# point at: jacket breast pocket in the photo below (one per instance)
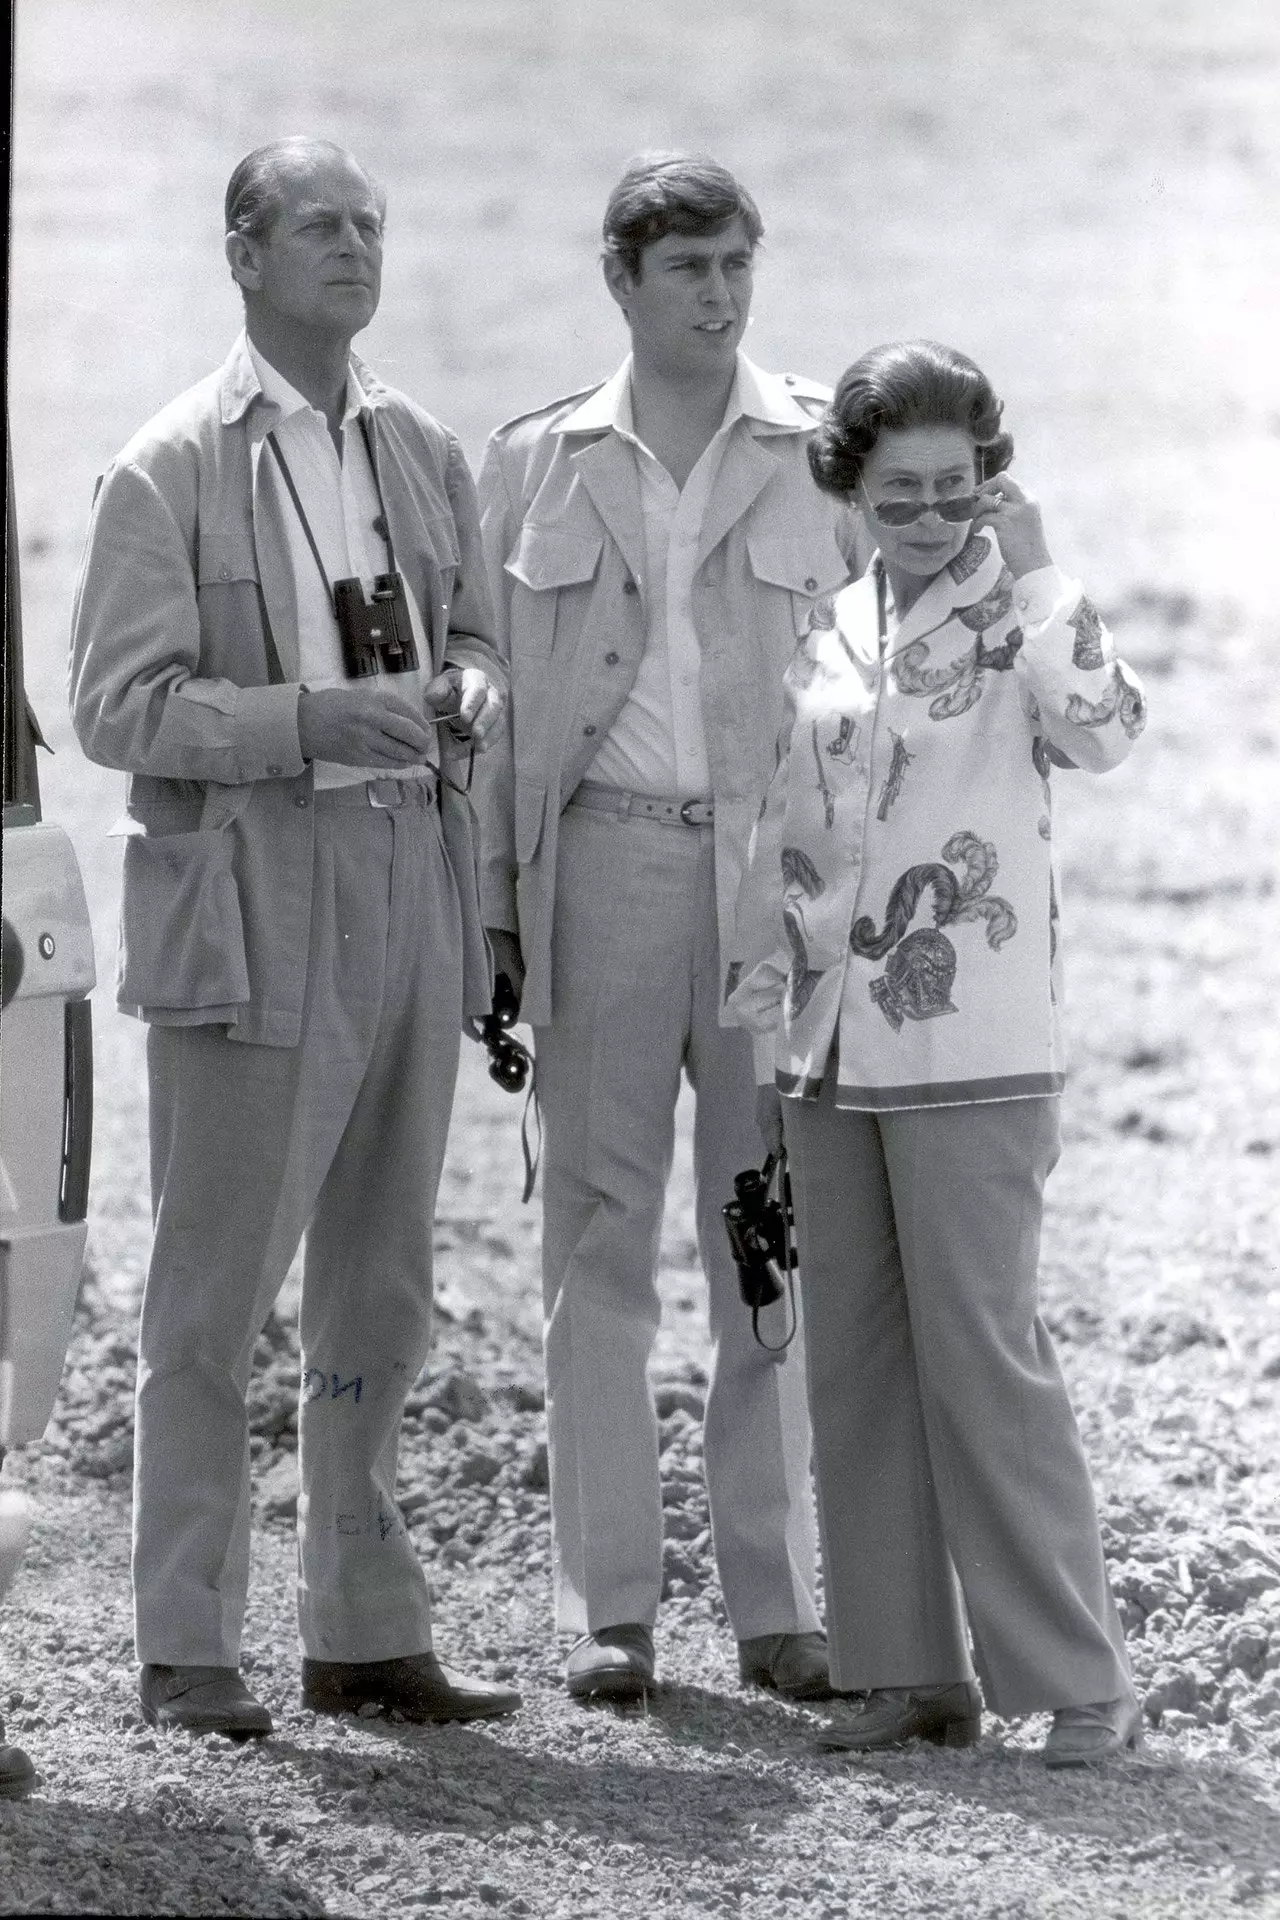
(805, 569)
(546, 561)
(182, 936)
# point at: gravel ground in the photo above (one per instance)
(1127, 159)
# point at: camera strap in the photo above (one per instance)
(384, 528)
(531, 1159)
(775, 1167)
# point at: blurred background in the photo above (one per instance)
(1083, 198)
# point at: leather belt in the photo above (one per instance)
(387, 794)
(669, 811)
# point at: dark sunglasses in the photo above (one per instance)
(903, 513)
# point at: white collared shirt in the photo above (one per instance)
(342, 504)
(657, 744)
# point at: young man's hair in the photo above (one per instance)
(662, 193)
(255, 191)
(907, 383)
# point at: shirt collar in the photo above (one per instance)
(282, 394)
(755, 395)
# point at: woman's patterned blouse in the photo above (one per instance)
(900, 901)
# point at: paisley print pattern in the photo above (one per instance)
(899, 761)
(801, 881)
(958, 687)
(1087, 652)
(970, 557)
(992, 607)
(916, 984)
(1122, 697)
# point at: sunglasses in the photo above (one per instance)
(904, 513)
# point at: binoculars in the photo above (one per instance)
(761, 1233)
(375, 633)
(509, 1061)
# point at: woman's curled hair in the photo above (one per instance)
(908, 383)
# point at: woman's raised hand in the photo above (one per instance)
(1014, 517)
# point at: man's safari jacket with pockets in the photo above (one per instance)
(564, 539)
(185, 673)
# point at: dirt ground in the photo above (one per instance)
(1086, 199)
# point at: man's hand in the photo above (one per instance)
(362, 727)
(507, 957)
(769, 1118)
(472, 706)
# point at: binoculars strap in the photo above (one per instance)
(776, 1167)
(300, 510)
(531, 1159)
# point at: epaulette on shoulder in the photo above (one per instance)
(548, 409)
(809, 394)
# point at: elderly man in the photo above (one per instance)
(654, 545)
(282, 595)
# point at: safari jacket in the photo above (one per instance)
(185, 673)
(564, 539)
(901, 895)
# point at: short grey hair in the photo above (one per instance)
(254, 192)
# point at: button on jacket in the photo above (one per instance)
(185, 673)
(564, 537)
(901, 892)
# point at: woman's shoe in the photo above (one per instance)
(950, 1716)
(1082, 1736)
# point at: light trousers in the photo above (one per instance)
(951, 1481)
(342, 1136)
(636, 995)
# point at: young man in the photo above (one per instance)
(654, 545)
(301, 929)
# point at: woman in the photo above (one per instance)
(899, 961)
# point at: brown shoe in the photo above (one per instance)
(615, 1663)
(17, 1775)
(950, 1716)
(1082, 1736)
(416, 1686)
(792, 1664)
(202, 1700)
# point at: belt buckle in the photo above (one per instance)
(688, 818)
(370, 787)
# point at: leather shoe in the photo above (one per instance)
(615, 1663)
(416, 1686)
(792, 1664)
(17, 1775)
(202, 1700)
(950, 1716)
(1082, 1736)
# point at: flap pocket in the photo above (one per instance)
(810, 567)
(182, 936)
(224, 561)
(545, 557)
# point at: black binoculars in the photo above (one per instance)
(761, 1234)
(509, 1061)
(375, 633)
